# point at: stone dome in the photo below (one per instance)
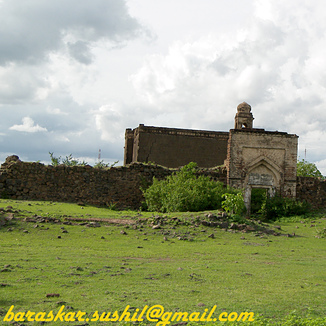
(244, 107)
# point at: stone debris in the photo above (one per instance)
(53, 295)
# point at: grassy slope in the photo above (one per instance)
(238, 272)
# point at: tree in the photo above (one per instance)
(307, 169)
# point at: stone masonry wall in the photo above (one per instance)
(118, 185)
(312, 190)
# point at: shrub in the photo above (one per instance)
(71, 161)
(184, 191)
(277, 206)
(258, 196)
(67, 161)
(103, 165)
(234, 203)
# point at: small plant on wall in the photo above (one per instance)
(67, 161)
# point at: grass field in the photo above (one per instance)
(182, 266)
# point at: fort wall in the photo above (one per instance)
(312, 190)
(116, 185)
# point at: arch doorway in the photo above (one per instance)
(262, 174)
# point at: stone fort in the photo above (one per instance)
(253, 158)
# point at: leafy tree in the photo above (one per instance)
(307, 169)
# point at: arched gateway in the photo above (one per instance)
(260, 159)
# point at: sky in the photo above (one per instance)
(75, 74)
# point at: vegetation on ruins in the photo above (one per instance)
(69, 160)
(307, 169)
(185, 191)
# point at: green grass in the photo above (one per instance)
(99, 268)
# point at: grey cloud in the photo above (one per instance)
(31, 29)
(80, 51)
(18, 84)
(220, 67)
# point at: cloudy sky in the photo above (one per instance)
(75, 74)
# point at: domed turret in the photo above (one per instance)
(244, 118)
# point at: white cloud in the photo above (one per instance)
(28, 125)
(55, 111)
(276, 63)
(321, 165)
(62, 138)
(108, 120)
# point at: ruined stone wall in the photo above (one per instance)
(118, 185)
(312, 190)
(175, 147)
(129, 145)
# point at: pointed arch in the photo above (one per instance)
(269, 165)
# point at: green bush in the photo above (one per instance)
(258, 196)
(234, 203)
(277, 206)
(184, 191)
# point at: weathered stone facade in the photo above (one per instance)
(254, 158)
(262, 159)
